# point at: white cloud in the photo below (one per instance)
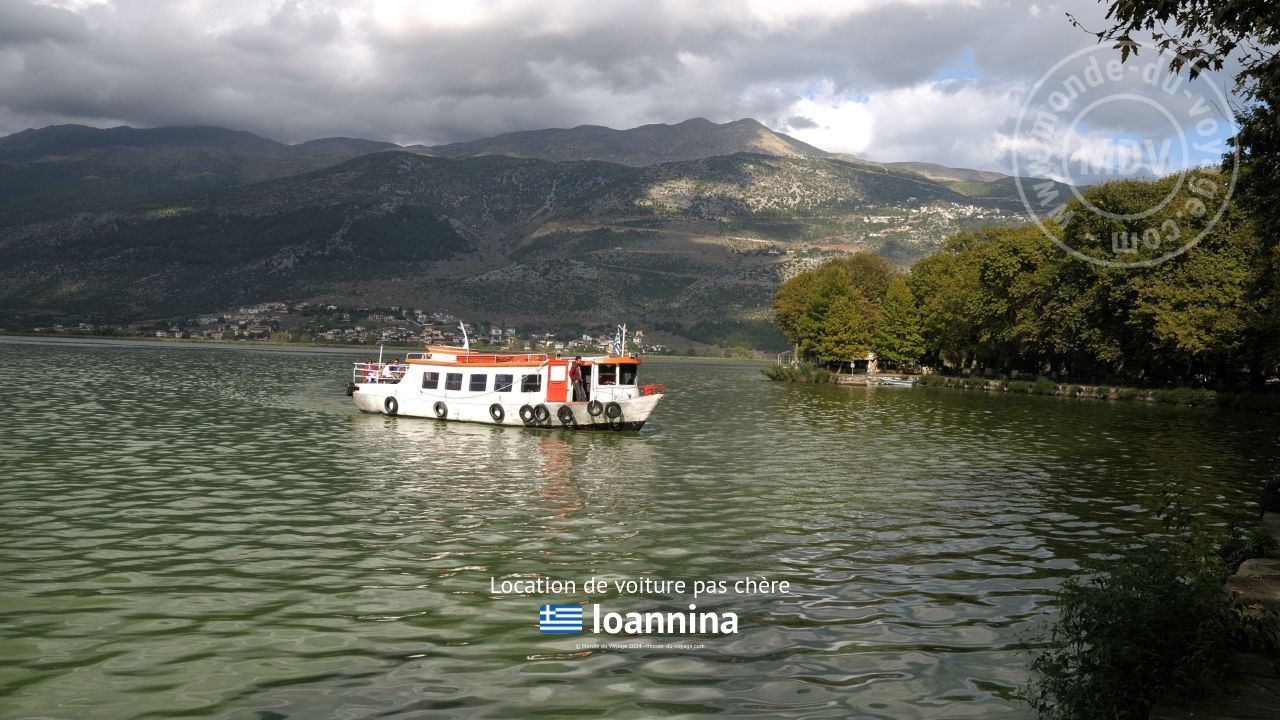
(838, 125)
(950, 122)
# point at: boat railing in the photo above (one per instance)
(363, 373)
(500, 358)
(462, 356)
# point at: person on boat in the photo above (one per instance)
(575, 376)
(390, 371)
(370, 375)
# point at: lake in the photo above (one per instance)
(216, 532)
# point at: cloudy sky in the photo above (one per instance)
(932, 80)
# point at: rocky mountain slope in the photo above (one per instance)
(65, 169)
(974, 183)
(645, 145)
(679, 228)
(943, 173)
(583, 240)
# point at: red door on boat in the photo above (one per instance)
(557, 380)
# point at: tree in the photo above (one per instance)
(1207, 35)
(830, 313)
(847, 328)
(1185, 317)
(1194, 314)
(1014, 274)
(898, 339)
(837, 321)
(869, 273)
(1005, 298)
(789, 305)
(946, 286)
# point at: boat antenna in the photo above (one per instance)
(379, 353)
(466, 342)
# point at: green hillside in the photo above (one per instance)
(673, 243)
(120, 225)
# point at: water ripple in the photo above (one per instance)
(204, 532)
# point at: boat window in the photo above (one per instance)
(627, 374)
(531, 383)
(479, 383)
(453, 381)
(502, 383)
(430, 381)
(608, 375)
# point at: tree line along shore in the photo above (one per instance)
(1007, 302)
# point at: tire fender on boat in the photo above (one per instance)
(541, 413)
(613, 411)
(351, 389)
(565, 414)
(594, 408)
(440, 409)
(391, 405)
(496, 412)
(526, 414)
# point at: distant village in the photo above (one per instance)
(338, 325)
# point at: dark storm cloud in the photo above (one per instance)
(22, 23)
(414, 71)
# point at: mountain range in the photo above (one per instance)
(687, 227)
(645, 145)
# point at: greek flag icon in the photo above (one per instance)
(560, 618)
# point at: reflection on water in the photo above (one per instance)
(217, 533)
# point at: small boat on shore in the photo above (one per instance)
(895, 382)
(530, 390)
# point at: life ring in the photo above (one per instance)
(440, 409)
(594, 408)
(565, 414)
(391, 405)
(496, 412)
(351, 389)
(526, 414)
(613, 411)
(541, 413)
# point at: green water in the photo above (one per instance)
(217, 533)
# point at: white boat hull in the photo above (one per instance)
(407, 401)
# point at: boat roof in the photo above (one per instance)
(445, 354)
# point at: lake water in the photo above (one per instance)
(215, 532)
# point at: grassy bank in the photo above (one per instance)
(796, 373)
(1150, 623)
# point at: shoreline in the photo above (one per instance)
(273, 345)
(191, 343)
(1240, 398)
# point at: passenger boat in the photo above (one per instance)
(531, 390)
